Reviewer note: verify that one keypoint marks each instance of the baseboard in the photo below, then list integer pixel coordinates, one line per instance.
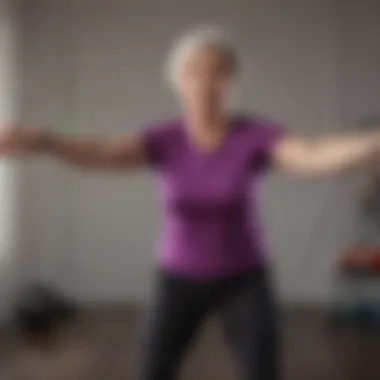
(105, 306)
(136, 307)
(306, 306)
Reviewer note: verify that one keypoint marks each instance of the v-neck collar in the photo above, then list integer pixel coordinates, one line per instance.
(196, 147)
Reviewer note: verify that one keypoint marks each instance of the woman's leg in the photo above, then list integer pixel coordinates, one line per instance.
(250, 325)
(178, 310)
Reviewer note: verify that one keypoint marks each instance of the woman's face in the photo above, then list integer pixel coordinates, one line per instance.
(204, 81)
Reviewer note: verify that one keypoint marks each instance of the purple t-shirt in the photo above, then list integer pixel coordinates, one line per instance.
(211, 223)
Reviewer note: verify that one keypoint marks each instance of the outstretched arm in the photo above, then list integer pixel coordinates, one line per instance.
(327, 155)
(125, 151)
(99, 153)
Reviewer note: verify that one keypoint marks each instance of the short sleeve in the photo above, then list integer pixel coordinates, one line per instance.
(269, 135)
(156, 141)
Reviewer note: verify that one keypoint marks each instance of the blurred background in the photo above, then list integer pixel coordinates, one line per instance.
(95, 66)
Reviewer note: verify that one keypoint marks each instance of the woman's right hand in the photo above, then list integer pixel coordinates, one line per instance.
(98, 153)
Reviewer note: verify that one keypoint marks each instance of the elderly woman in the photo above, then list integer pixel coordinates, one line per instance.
(213, 255)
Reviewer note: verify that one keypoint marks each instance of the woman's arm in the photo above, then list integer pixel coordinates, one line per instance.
(98, 153)
(329, 155)
(109, 153)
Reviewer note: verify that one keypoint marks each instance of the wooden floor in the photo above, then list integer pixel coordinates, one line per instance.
(103, 346)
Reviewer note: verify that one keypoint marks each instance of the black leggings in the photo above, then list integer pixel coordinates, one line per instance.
(246, 307)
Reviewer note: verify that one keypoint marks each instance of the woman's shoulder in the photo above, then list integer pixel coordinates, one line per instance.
(257, 125)
(254, 122)
(164, 129)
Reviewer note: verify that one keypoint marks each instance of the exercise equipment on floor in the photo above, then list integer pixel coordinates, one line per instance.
(40, 309)
(358, 288)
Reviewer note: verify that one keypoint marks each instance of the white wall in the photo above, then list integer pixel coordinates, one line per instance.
(9, 279)
(359, 74)
(360, 77)
(94, 66)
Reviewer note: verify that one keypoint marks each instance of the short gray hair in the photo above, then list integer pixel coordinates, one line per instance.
(195, 39)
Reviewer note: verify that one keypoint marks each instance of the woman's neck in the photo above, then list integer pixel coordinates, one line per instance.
(209, 131)
(211, 123)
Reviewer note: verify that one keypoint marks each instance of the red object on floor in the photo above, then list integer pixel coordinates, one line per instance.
(362, 258)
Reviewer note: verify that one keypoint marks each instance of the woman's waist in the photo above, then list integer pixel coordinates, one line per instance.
(203, 231)
(205, 243)
(210, 246)
(212, 263)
